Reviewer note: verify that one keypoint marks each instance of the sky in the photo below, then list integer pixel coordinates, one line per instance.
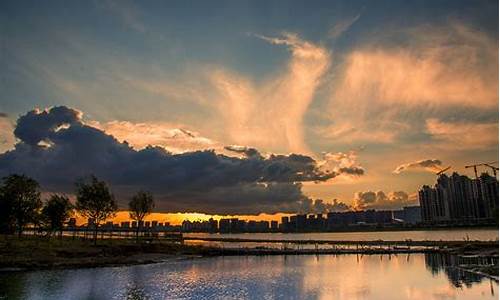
(249, 106)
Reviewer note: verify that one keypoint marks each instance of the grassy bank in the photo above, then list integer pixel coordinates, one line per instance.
(42, 253)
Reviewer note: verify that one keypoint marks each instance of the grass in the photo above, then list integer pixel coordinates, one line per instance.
(31, 252)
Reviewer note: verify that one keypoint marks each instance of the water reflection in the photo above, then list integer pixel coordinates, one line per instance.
(268, 277)
(450, 265)
(416, 235)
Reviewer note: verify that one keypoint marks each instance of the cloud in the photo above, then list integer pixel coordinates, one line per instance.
(341, 163)
(37, 125)
(380, 200)
(247, 151)
(349, 133)
(448, 66)
(270, 115)
(465, 135)
(429, 165)
(172, 137)
(340, 27)
(7, 138)
(197, 181)
(385, 89)
(321, 207)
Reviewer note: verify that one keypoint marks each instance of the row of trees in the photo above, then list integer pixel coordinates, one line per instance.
(21, 205)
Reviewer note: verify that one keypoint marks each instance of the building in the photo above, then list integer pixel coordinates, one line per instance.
(285, 226)
(489, 195)
(125, 224)
(457, 198)
(224, 225)
(72, 223)
(408, 215)
(274, 225)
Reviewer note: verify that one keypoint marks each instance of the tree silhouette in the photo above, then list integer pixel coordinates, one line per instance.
(140, 206)
(56, 211)
(95, 201)
(20, 202)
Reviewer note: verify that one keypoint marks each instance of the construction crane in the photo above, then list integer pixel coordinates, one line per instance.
(475, 168)
(493, 168)
(443, 170)
(480, 164)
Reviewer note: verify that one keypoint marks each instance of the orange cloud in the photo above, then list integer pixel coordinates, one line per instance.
(270, 115)
(349, 133)
(463, 135)
(430, 165)
(380, 200)
(170, 136)
(7, 139)
(449, 66)
(380, 88)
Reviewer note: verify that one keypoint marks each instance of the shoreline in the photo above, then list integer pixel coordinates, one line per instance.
(31, 253)
(368, 228)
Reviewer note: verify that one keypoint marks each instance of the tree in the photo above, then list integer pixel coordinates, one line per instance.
(20, 202)
(56, 211)
(95, 201)
(140, 206)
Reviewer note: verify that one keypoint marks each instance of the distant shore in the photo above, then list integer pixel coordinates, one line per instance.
(35, 253)
(370, 228)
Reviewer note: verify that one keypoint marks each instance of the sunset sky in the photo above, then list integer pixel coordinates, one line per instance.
(329, 100)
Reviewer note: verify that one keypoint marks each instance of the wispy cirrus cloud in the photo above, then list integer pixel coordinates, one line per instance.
(383, 93)
(448, 66)
(270, 114)
(342, 26)
(463, 135)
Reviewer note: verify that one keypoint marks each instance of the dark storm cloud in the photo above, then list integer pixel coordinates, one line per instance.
(201, 181)
(36, 125)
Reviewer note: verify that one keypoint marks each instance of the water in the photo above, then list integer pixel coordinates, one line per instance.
(268, 277)
(416, 235)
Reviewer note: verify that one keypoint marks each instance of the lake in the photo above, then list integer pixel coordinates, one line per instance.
(416, 235)
(417, 276)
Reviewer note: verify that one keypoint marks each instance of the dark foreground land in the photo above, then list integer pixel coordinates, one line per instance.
(31, 252)
(35, 252)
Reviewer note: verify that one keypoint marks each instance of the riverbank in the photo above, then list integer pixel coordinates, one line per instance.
(32, 252)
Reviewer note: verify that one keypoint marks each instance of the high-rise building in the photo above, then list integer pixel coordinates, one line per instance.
(457, 198)
(489, 195)
(274, 225)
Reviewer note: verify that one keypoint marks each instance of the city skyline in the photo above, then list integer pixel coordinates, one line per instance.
(249, 149)
(354, 104)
